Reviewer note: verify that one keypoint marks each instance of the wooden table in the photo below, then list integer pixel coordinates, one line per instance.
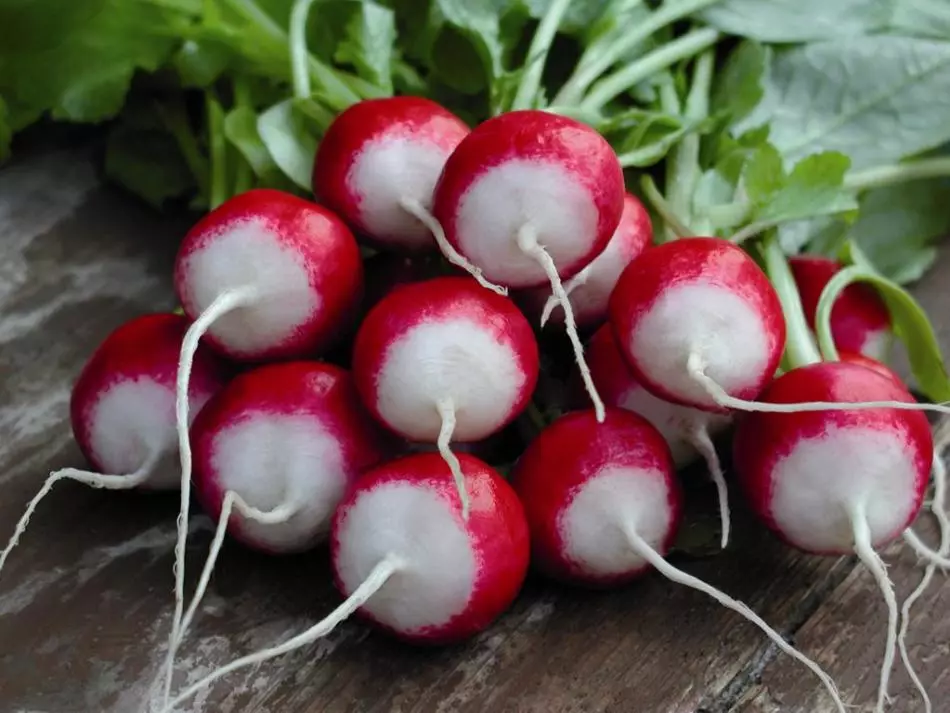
(86, 600)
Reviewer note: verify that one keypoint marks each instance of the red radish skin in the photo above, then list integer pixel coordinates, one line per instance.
(698, 310)
(688, 432)
(122, 409)
(838, 482)
(410, 563)
(860, 321)
(445, 360)
(265, 275)
(528, 198)
(603, 506)
(590, 288)
(379, 154)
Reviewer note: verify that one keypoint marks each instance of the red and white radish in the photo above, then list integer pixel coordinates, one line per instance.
(122, 409)
(696, 314)
(528, 198)
(860, 321)
(444, 360)
(410, 563)
(589, 290)
(378, 164)
(838, 482)
(266, 275)
(603, 506)
(275, 451)
(688, 432)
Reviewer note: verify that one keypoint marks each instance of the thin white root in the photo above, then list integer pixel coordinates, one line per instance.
(696, 370)
(280, 514)
(642, 548)
(424, 216)
(871, 560)
(373, 583)
(699, 437)
(225, 302)
(940, 485)
(96, 480)
(569, 287)
(447, 412)
(924, 552)
(528, 243)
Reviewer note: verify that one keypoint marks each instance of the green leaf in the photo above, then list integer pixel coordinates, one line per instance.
(290, 145)
(147, 163)
(910, 322)
(738, 87)
(799, 20)
(876, 99)
(199, 64)
(763, 176)
(368, 43)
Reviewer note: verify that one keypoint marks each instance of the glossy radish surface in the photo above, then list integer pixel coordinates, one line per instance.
(860, 321)
(295, 433)
(589, 290)
(445, 359)
(695, 311)
(380, 153)
(603, 506)
(408, 561)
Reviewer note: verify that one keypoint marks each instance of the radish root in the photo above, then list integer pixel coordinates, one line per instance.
(569, 286)
(447, 412)
(422, 214)
(871, 560)
(372, 584)
(96, 480)
(924, 552)
(227, 301)
(696, 369)
(700, 440)
(282, 513)
(642, 548)
(528, 243)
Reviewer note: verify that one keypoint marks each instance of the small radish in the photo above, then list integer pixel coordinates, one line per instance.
(282, 444)
(445, 360)
(378, 164)
(603, 506)
(590, 289)
(688, 431)
(698, 313)
(122, 409)
(838, 482)
(266, 275)
(528, 198)
(410, 563)
(860, 321)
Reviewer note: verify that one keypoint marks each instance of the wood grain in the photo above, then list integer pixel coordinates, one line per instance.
(86, 599)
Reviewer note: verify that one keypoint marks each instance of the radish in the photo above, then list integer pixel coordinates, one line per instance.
(687, 431)
(408, 562)
(265, 275)
(860, 321)
(698, 315)
(122, 409)
(445, 360)
(528, 198)
(590, 289)
(379, 162)
(838, 482)
(603, 506)
(282, 444)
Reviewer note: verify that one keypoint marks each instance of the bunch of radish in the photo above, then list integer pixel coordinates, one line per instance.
(288, 449)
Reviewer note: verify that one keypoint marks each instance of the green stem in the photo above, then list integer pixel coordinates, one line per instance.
(683, 164)
(881, 176)
(538, 53)
(669, 54)
(218, 151)
(299, 56)
(175, 119)
(666, 212)
(800, 348)
(590, 68)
